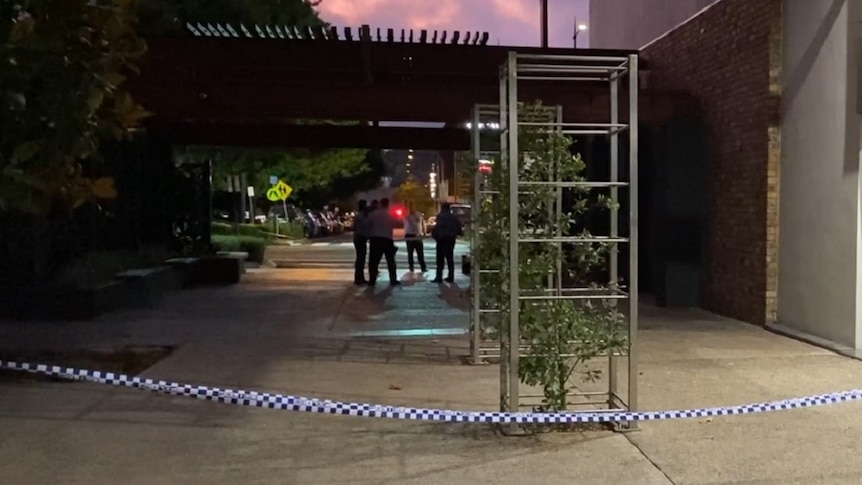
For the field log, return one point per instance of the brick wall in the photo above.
(728, 57)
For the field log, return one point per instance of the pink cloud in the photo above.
(524, 11)
(509, 22)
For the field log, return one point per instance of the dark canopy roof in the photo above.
(247, 86)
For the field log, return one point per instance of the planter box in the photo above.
(184, 268)
(242, 256)
(152, 283)
(131, 289)
(75, 303)
(218, 271)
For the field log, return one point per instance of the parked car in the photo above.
(316, 227)
(347, 220)
(327, 222)
(288, 213)
(331, 226)
(464, 212)
(228, 216)
(430, 223)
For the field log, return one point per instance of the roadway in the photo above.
(338, 252)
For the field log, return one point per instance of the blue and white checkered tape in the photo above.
(323, 406)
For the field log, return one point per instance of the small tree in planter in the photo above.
(563, 335)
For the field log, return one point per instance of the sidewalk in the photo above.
(309, 332)
(340, 253)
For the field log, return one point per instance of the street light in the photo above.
(484, 126)
(578, 29)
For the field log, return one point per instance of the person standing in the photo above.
(381, 227)
(445, 232)
(413, 234)
(360, 242)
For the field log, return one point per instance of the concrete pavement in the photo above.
(339, 253)
(309, 332)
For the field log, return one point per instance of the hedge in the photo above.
(254, 246)
(226, 229)
(293, 229)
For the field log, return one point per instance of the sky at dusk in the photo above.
(509, 22)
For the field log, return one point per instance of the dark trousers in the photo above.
(378, 248)
(446, 253)
(360, 244)
(415, 245)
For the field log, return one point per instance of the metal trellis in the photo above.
(616, 73)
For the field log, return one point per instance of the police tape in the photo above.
(325, 406)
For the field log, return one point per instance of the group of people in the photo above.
(374, 236)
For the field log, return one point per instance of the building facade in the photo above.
(778, 86)
(630, 24)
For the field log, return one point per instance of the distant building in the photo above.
(629, 24)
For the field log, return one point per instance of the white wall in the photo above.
(630, 24)
(819, 234)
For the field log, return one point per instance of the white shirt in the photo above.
(413, 225)
(380, 224)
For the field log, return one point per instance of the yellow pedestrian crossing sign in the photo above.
(280, 191)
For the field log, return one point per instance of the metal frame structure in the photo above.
(613, 72)
(480, 347)
(483, 348)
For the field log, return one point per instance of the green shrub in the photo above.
(292, 230)
(228, 229)
(247, 230)
(251, 230)
(222, 229)
(254, 246)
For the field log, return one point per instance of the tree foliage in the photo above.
(63, 66)
(415, 195)
(564, 336)
(317, 177)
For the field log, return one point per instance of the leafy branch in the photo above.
(563, 335)
(63, 66)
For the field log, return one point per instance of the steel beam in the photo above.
(213, 100)
(311, 136)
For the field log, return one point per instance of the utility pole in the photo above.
(544, 23)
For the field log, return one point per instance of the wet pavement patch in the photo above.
(130, 360)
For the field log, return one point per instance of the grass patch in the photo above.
(130, 361)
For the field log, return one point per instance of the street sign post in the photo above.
(250, 192)
(280, 191)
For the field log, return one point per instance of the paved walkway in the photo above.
(339, 252)
(305, 331)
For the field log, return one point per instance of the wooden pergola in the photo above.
(240, 86)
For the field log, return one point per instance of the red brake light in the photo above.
(398, 212)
